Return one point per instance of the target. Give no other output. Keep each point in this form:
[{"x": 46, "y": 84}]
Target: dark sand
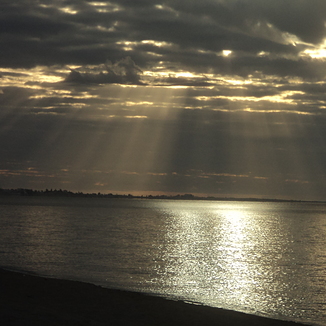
[{"x": 27, "y": 300}]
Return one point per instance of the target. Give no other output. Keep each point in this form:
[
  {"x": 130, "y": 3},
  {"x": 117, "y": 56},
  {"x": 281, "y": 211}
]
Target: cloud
[
  {"x": 179, "y": 35},
  {"x": 124, "y": 71},
  {"x": 304, "y": 19},
  {"x": 228, "y": 88}
]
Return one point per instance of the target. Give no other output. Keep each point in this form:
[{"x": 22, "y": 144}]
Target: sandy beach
[{"x": 32, "y": 300}]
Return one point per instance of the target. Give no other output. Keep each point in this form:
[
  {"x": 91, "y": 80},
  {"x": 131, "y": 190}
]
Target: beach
[{"x": 33, "y": 300}]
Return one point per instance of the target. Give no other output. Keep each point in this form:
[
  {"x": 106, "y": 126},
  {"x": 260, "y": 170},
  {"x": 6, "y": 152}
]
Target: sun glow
[
  {"x": 156, "y": 43},
  {"x": 226, "y": 53},
  {"x": 185, "y": 74},
  {"x": 130, "y": 45},
  {"x": 30, "y": 78},
  {"x": 315, "y": 52},
  {"x": 68, "y": 10}
]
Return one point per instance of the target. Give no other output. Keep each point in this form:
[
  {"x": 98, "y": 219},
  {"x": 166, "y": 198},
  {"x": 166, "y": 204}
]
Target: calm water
[{"x": 261, "y": 258}]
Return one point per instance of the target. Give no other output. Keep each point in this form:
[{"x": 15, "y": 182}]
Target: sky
[{"x": 212, "y": 97}]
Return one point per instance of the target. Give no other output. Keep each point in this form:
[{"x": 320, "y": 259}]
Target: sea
[{"x": 263, "y": 258}]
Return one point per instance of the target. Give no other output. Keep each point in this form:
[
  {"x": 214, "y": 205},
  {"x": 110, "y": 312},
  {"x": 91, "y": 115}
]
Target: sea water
[{"x": 265, "y": 258}]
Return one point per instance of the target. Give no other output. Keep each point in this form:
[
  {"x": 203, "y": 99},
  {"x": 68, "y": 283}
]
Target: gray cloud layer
[
  {"x": 190, "y": 32},
  {"x": 210, "y": 96}
]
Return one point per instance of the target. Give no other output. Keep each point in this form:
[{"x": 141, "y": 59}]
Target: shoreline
[
  {"x": 27, "y": 299},
  {"x": 21, "y": 192}
]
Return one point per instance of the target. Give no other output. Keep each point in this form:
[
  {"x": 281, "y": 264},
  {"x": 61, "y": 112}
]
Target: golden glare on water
[
  {"x": 238, "y": 237},
  {"x": 257, "y": 257},
  {"x": 223, "y": 253},
  {"x": 194, "y": 237}
]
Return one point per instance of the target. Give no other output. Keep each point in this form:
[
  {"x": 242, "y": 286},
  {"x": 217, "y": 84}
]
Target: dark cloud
[
  {"x": 305, "y": 19},
  {"x": 124, "y": 71},
  {"x": 88, "y": 32},
  {"x": 206, "y": 96}
]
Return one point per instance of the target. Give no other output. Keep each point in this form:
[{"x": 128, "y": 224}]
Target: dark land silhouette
[{"x": 67, "y": 193}]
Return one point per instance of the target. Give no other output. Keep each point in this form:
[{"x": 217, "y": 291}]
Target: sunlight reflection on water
[
  {"x": 262, "y": 258},
  {"x": 235, "y": 255}
]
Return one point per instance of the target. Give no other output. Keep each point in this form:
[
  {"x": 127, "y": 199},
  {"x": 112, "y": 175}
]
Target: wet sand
[{"x": 27, "y": 300}]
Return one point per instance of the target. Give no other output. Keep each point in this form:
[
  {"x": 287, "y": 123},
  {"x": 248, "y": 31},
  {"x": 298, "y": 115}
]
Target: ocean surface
[{"x": 264, "y": 258}]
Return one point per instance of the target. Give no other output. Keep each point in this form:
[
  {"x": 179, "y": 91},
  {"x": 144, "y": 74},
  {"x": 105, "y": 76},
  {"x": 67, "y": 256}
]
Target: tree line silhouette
[{"x": 67, "y": 193}]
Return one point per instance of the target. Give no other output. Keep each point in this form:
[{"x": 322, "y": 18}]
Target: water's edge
[{"x": 157, "y": 295}]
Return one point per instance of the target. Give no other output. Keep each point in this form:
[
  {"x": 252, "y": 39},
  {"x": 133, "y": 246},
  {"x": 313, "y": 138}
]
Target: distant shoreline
[
  {"x": 22, "y": 192},
  {"x": 26, "y": 299}
]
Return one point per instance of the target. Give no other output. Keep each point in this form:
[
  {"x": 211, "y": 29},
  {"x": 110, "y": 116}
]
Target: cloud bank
[{"x": 212, "y": 96}]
